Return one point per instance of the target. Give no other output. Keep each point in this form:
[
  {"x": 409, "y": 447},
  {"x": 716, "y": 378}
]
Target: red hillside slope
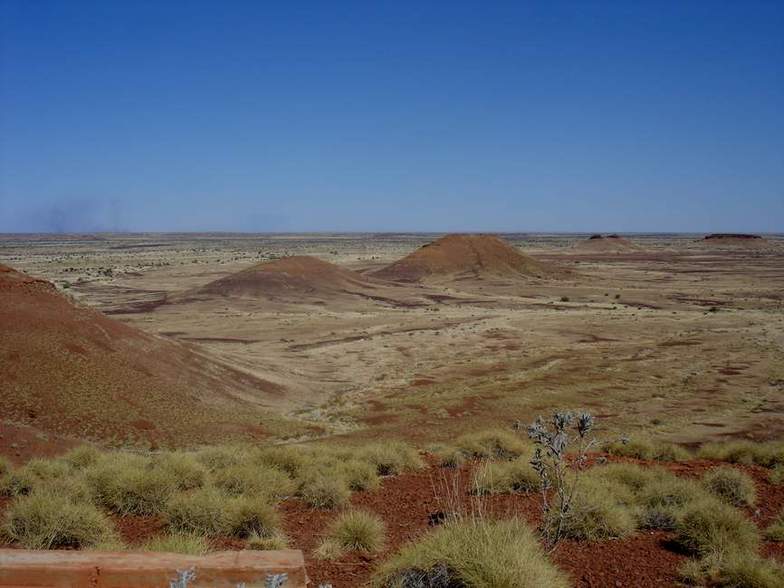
[{"x": 71, "y": 370}]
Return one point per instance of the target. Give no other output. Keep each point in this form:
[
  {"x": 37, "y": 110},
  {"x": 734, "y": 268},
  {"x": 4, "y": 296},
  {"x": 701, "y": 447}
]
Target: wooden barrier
[{"x": 93, "y": 569}]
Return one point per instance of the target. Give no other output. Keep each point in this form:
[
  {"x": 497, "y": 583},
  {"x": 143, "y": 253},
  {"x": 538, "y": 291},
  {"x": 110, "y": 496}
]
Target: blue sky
[{"x": 391, "y": 116}]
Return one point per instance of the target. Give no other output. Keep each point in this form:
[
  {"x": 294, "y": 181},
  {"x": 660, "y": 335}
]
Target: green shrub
[
  {"x": 628, "y": 475},
  {"x": 328, "y": 549},
  {"x": 449, "y": 457},
  {"x": 664, "y": 498},
  {"x": 710, "y": 527},
  {"x": 505, "y": 477},
  {"x": 731, "y": 485},
  {"x": 733, "y": 570},
  {"x": 641, "y": 448},
  {"x": 249, "y": 478},
  {"x": 82, "y": 457},
  {"x": 775, "y": 532},
  {"x": 277, "y": 540},
  {"x": 359, "y": 475},
  {"x": 357, "y": 530},
  {"x": 187, "y": 543},
  {"x": 185, "y": 470},
  {"x": 201, "y": 512},
  {"x": 744, "y": 452},
  {"x": 35, "y": 473},
  {"x": 324, "y": 491},
  {"x": 287, "y": 459},
  {"x": 246, "y": 516},
  {"x": 776, "y": 475},
  {"x": 480, "y": 554},
  {"x": 127, "y": 484},
  {"x": 597, "y": 511},
  {"x": 222, "y": 456},
  {"x": 745, "y": 571},
  {"x": 392, "y": 458},
  {"x": 49, "y": 521},
  {"x": 499, "y": 444}
]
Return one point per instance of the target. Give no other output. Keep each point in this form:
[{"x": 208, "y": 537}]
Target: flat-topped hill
[
  {"x": 465, "y": 256},
  {"x": 606, "y": 244}
]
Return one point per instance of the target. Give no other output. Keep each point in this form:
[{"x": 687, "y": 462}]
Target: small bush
[
  {"x": 393, "y": 458},
  {"x": 731, "y": 485},
  {"x": 663, "y": 500},
  {"x": 640, "y": 448},
  {"x": 733, "y": 570},
  {"x": 744, "y": 452},
  {"x": 480, "y": 554},
  {"x": 75, "y": 488},
  {"x": 254, "y": 479},
  {"x": 185, "y": 470},
  {"x": 49, "y": 521},
  {"x": 271, "y": 543},
  {"x": 127, "y": 484},
  {"x": 449, "y": 457},
  {"x": 82, "y": 457},
  {"x": 359, "y": 475},
  {"x": 287, "y": 459},
  {"x": 713, "y": 527},
  {"x": 775, "y": 532},
  {"x": 499, "y": 444},
  {"x": 630, "y": 476},
  {"x": 220, "y": 457},
  {"x": 201, "y": 512},
  {"x": 324, "y": 491},
  {"x": 356, "y": 530},
  {"x": 246, "y": 516},
  {"x": 505, "y": 477},
  {"x": 328, "y": 549},
  {"x": 776, "y": 475},
  {"x": 597, "y": 511},
  {"x": 35, "y": 473},
  {"x": 187, "y": 543},
  {"x": 745, "y": 571}
]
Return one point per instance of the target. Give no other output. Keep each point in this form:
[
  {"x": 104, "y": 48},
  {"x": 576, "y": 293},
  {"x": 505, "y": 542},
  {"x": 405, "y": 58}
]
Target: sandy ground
[{"x": 679, "y": 337}]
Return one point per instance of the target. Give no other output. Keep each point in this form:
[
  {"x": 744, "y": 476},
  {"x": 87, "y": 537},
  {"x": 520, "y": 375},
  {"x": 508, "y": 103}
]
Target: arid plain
[{"x": 674, "y": 335}]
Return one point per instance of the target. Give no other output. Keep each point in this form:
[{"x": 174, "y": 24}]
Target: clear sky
[{"x": 391, "y": 116}]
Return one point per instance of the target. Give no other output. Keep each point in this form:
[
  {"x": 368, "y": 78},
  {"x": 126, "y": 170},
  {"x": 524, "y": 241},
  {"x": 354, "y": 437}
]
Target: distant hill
[
  {"x": 71, "y": 370},
  {"x": 464, "y": 257},
  {"x": 299, "y": 278},
  {"x": 606, "y": 244}
]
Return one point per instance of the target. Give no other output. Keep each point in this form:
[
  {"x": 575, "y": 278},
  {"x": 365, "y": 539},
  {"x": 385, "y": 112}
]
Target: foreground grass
[
  {"x": 482, "y": 554},
  {"x": 233, "y": 491}
]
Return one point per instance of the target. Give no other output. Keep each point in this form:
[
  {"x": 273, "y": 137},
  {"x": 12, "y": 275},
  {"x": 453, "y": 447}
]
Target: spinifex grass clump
[
  {"x": 474, "y": 552},
  {"x": 44, "y": 520},
  {"x": 556, "y": 472}
]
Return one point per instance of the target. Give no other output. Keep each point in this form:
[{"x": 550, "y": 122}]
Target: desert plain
[{"x": 671, "y": 333}]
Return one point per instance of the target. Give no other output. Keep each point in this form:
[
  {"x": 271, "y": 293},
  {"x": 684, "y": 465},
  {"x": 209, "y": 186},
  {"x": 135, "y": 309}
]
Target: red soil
[
  {"x": 406, "y": 502},
  {"x": 289, "y": 278},
  {"x": 606, "y": 244},
  {"x": 69, "y": 370},
  {"x": 465, "y": 256}
]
